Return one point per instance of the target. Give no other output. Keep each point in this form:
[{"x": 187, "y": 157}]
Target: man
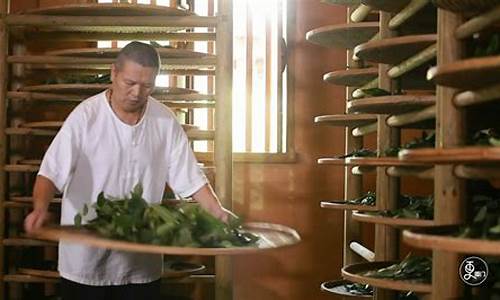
[{"x": 111, "y": 142}]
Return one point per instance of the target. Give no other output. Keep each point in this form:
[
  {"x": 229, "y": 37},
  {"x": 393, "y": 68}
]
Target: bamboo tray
[
  {"x": 345, "y": 36},
  {"x": 394, "y": 50},
  {"x": 382, "y": 162},
  {"x": 109, "y": 13},
  {"x": 352, "y": 273},
  {"x": 464, "y": 155},
  {"x": 396, "y": 222},
  {"x": 484, "y": 70},
  {"x": 342, "y": 2},
  {"x": 438, "y": 239},
  {"x": 164, "y": 98},
  {"x": 21, "y": 278},
  {"x": 351, "y": 77},
  {"x": 272, "y": 236},
  {"x": 353, "y": 120},
  {"x": 171, "y": 269},
  {"x": 337, "y": 287},
  {"x": 113, "y": 52},
  {"x": 42, "y": 62},
  {"x": 108, "y": 9},
  {"x": 94, "y": 88},
  {"x": 467, "y": 5},
  {"x": 396, "y": 104},
  {"x": 342, "y": 205},
  {"x": 387, "y": 5}
]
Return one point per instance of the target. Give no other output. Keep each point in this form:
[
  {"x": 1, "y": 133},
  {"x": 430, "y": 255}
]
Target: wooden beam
[{"x": 223, "y": 136}]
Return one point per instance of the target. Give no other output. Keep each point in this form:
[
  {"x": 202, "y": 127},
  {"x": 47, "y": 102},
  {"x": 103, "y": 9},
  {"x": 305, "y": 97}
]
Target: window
[{"x": 260, "y": 78}]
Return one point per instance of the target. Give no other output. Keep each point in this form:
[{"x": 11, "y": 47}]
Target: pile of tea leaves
[
  {"x": 412, "y": 207},
  {"x": 486, "y": 222},
  {"x": 359, "y": 153},
  {"x": 486, "y": 137},
  {"x": 367, "y": 199},
  {"x": 418, "y": 268},
  {"x": 185, "y": 225},
  {"x": 426, "y": 141},
  {"x": 358, "y": 289}
]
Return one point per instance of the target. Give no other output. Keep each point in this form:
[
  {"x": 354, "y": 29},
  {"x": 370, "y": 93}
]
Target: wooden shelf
[
  {"x": 466, "y": 6},
  {"x": 353, "y": 273},
  {"x": 381, "y": 162},
  {"x": 353, "y": 120},
  {"x": 342, "y": 205},
  {"x": 394, "y": 50},
  {"x": 39, "y": 273},
  {"x": 463, "y": 155},
  {"x": 345, "y": 36},
  {"x": 94, "y": 88},
  {"x": 113, "y": 52},
  {"x": 43, "y": 125},
  {"x": 351, "y": 77},
  {"x": 337, "y": 287},
  {"x": 342, "y": 2},
  {"x": 30, "y": 132},
  {"x": 396, "y": 222},
  {"x": 372, "y": 162},
  {"x": 483, "y": 95},
  {"x": 387, "y": 5},
  {"x": 484, "y": 71},
  {"x": 438, "y": 238},
  {"x": 396, "y": 104}
]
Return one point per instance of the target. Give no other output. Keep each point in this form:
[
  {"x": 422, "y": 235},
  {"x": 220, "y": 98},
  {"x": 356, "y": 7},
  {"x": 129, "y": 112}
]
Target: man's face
[{"x": 132, "y": 85}]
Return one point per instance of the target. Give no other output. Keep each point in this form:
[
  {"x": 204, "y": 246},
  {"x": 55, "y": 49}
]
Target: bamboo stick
[
  {"x": 360, "y": 13},
  {"x": 412, "y": 117},
  {"x": 413, "y": 62},
  {"x": 358, "y": 93},
  {"x": 406, "y": 13},
  {"x": 477, "y": 96},
  {"x": 362, "y": 170},
  {"x": 419, "y": 172},
  {"x": 478, "y": 23},
  {"x": 362, "y": 251},
  {"x": 111, "y": 21},
  {"x": 364, "y": 130},
  {"x": 477, "y": 172}
]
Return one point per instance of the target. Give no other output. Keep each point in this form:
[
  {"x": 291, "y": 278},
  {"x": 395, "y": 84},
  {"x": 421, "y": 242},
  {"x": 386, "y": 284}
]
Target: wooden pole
[
  {"x": 223, "y": 135},
  {"x": 353, "y": 184},
  {"x": 449, "y": 191},
  {"x": 4, "y": 46},
  {"x": 386, "y": 237}
]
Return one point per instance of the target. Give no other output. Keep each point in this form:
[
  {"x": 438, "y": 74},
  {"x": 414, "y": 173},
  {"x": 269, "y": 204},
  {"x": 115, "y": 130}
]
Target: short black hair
[{"x": 141, "y": 53}]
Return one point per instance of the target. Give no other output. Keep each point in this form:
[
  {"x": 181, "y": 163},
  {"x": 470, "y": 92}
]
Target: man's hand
[
  {"x": 36, "y": 219},
  {"x": 224, "y": 215},
  {"x": 206, "y": 197}
]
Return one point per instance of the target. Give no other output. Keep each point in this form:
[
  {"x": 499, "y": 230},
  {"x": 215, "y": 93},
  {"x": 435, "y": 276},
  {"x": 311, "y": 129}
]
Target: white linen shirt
[{"x": 95, "y": 151}]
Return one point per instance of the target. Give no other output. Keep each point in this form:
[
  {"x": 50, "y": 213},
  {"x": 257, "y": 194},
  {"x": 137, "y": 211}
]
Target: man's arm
[
  {"x": 207, "y": 199},
  {"x": 43, "y": 193}
]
